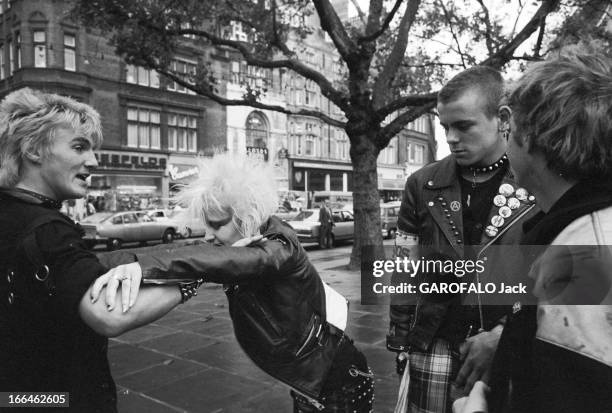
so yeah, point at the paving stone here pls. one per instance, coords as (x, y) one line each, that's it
(208, 391)
(128, 358)
(145, 333)
(129, 401)
(168, 371)
(177, 343)
(229, 357)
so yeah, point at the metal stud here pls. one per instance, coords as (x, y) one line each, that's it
(430, 183)
(430, 203)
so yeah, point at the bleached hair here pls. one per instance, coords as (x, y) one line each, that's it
(28, 122)
(240, 186)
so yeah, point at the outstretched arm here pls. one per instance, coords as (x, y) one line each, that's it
(152, 303)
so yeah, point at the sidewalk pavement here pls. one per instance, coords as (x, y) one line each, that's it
(190, 361)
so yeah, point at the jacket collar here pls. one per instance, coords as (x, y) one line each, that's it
(444, 203)
(581, 199)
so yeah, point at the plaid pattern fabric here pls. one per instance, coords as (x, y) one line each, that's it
(431, 374)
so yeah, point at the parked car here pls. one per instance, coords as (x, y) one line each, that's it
(306, 225)
(388, 218)
(187, 227)
(285, 214)
(116, 228)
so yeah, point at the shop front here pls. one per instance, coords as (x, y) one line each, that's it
(129, 181)
(182, 170)
(391, 182)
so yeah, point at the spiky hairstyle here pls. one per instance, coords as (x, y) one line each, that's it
(235, 185)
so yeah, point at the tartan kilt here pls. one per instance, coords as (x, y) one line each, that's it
(431, 374)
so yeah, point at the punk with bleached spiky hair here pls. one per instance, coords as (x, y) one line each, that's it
(236, 185)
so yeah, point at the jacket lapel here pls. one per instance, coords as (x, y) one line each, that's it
(442, 195)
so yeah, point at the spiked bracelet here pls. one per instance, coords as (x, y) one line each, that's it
(188, 290)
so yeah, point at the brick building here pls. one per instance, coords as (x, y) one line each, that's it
(153, 129)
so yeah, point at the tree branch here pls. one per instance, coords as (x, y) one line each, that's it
(404, 101)
(452, 30)
(297, 66)
(538, 45)
(332, 25)
(385, 25)
(504, 54)
(209, 93)
(360, 12)
(518, 15)
(395, 58)
(395, 126)
(489, 32)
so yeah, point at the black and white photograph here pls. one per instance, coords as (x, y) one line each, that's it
(304, 206)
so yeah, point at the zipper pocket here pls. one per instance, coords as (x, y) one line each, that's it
(313, 334)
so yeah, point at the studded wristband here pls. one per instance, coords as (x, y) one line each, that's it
(189, 290)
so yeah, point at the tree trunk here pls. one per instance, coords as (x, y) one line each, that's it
(366, 203)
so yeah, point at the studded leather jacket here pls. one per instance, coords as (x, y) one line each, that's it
(431, 210)
(276, 302)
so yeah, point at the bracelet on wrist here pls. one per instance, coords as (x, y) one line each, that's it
(189, 290)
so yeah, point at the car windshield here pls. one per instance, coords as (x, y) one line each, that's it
(99, 217)
(303, 216)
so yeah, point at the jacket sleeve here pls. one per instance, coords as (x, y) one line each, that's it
(400, 313)
(218, 264)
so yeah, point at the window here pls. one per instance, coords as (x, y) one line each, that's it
(11, 57)
(184, 69)
(143, 128)
(256, 130)
(69, 52)
(2, 73)
(40, 49)
(182, 132)
(416, 153)
(255, 77)
(389, 154)
(141, 76)
(17, 51)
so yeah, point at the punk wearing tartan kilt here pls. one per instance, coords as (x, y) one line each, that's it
(451, 208)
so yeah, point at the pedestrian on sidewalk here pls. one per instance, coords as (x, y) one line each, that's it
(54, 338)
(327, 222)
(277, 300)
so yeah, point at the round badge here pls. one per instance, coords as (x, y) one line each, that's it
(514, 203)
(499, 200)
(522, 194)
(455, 206)
(491, 231)
(506, 190)
(497, 221)
(505, 211)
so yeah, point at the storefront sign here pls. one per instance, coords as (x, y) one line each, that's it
(130, 161)
(257, 152)
(184, 172)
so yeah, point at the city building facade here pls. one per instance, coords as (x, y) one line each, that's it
(154, 130)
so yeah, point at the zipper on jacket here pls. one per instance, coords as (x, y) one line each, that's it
(310, 336)
(312, 401)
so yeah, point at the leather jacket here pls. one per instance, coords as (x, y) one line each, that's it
(431, 209)
(276, 302)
